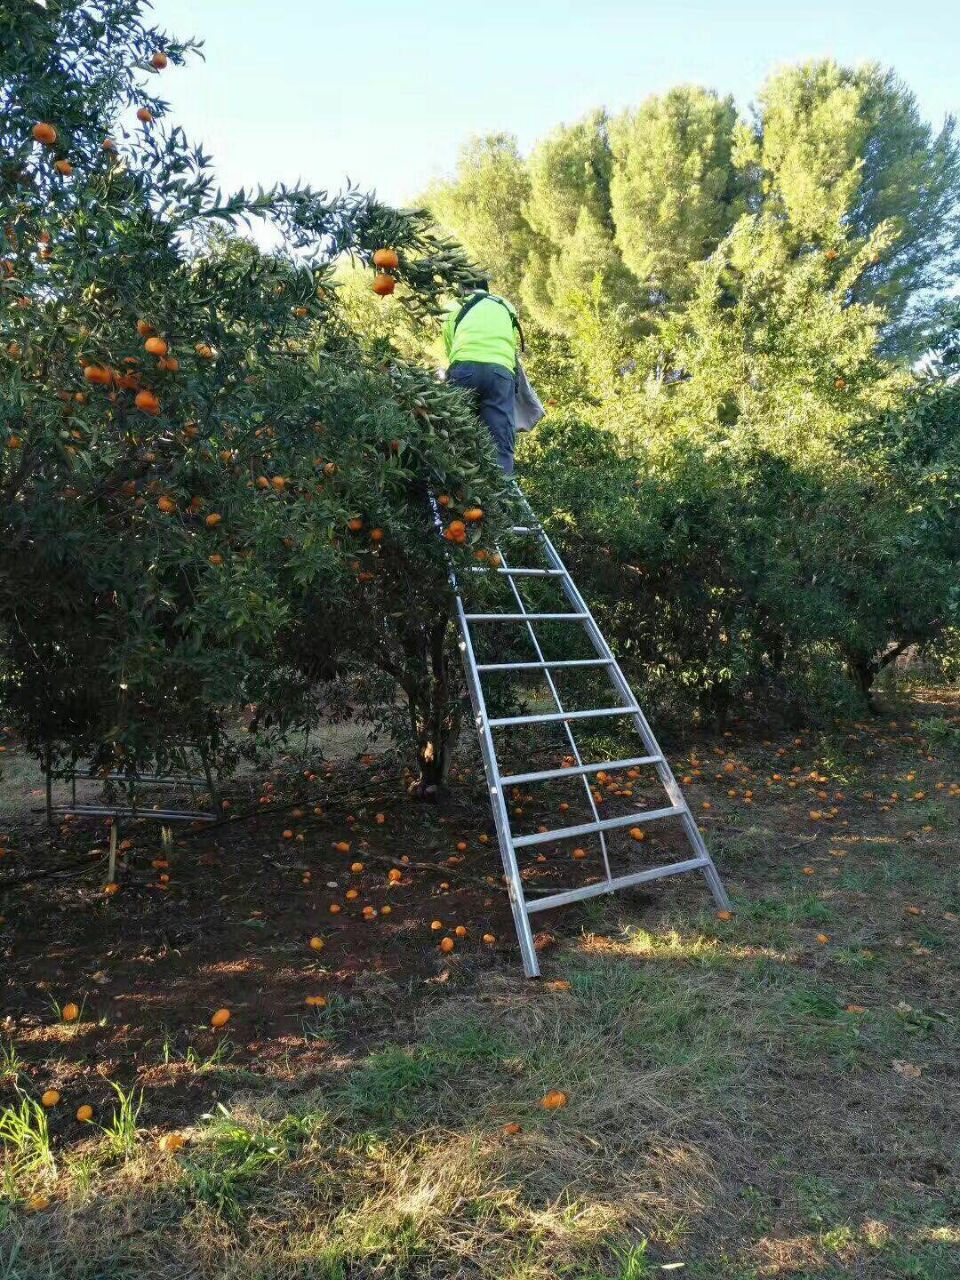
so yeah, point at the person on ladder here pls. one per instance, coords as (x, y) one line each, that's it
(482, 337)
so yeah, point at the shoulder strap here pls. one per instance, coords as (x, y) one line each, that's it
(491, 297)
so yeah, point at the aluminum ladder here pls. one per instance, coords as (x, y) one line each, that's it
(498, 783)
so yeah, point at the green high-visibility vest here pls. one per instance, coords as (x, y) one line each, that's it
(488, 333)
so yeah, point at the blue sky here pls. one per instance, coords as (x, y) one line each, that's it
(386, 93)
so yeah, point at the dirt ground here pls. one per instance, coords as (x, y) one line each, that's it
(840, 851)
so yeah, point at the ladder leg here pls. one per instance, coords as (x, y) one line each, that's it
(710, 873)
(501, 819)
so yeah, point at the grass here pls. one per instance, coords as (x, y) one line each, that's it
(773, 1096)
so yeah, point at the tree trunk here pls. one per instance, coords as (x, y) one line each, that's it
(435, 713)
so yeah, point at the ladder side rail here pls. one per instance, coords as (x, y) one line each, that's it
(566, 725)
(664, 772)
(501, 819)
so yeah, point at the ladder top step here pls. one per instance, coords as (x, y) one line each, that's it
(545, 775)
(554, 716)
(545, 666)
(525, 617)
(592, 828)
(521, 573)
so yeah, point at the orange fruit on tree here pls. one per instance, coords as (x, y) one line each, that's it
(159, 60)
(145, 329)
(45, 133)
(204, 351)
(376, 535)
(473, 514)
(279, 482)
(220, 1018)
(383, 285)
(213, 519)
(156, 346)
(64, 167)
(386, 259)
(97, 373)
(147, 402)
(166, 505)
(70, 1012)
(145, 115)
(85, 1113)
(355, 524)
(215, 559)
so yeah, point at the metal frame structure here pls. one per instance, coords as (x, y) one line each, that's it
(130, 810)
(497, 783)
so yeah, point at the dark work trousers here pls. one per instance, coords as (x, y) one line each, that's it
(494, 387)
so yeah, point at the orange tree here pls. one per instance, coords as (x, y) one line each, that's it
(209, 495)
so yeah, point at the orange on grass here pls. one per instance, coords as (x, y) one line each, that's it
(512, 1128)
(383, 285)
(213, 519)
(724, 915)
(85, 1113)
(436, 924)
(51, 1098)
(111, 888)
(220, 1018)
(70, 1012)
(316, 1002)
(38, 1202)
(171, 1142)
(553, 1100)
(447, 945)
(489, 938)
(215, 559)
(386, 259)
(317, 943)
(45, 133)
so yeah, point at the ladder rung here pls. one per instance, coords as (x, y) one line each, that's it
(546, 666)
(525, 528)
(554, 716)
(545, 775)
(521, 573)
(525, 617)
(591, 828)
(618, 882)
